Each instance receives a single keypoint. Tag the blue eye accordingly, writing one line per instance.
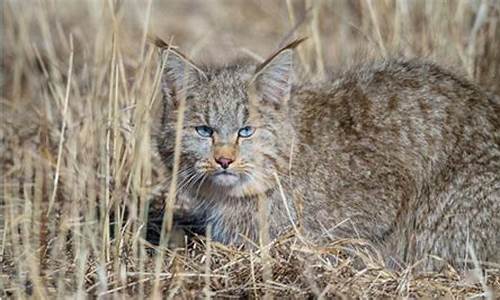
(204, 131)
(246, 131)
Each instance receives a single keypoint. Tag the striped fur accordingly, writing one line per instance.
(402, 153)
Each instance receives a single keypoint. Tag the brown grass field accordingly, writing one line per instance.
(79, 102)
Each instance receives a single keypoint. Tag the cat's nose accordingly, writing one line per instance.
(224, 162)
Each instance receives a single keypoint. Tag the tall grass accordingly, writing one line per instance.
(79, 105)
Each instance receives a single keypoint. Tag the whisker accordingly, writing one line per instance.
(200, 184)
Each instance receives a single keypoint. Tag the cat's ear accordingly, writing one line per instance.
(273, 78)
(179, 72)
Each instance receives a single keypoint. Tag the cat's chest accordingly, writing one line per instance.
(230, 219)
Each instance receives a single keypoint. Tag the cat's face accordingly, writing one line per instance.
(234, 137)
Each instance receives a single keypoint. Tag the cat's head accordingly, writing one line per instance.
(236, 131)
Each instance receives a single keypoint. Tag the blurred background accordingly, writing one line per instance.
(79, 99)
(463, 33)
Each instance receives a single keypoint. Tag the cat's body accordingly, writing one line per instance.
(401, 153)
(408, 154)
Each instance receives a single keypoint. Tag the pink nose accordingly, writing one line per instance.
(224, 162)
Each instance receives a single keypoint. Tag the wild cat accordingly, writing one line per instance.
(402, 153)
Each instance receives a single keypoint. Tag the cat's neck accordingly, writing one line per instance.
(213, 196)
(235, 220)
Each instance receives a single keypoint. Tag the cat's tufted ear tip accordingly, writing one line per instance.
(295, 43)
(176, 56)
(285, 50)
(273, 78)
(179, 71)
(158, 42)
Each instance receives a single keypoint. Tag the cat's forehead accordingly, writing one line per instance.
(226, 84)
(229, 76)
(222, 95)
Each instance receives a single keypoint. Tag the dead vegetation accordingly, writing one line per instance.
(78, 105)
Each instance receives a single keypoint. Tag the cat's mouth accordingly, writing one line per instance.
(225, 177)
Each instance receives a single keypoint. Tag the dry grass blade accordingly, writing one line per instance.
(63, 129)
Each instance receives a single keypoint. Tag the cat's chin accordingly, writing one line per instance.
(225, 179)
(235, 185)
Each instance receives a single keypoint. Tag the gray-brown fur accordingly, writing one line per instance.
(402, 153)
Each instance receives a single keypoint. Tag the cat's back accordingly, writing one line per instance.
(406, 105)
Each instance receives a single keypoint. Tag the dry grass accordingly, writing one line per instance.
(79, 100)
